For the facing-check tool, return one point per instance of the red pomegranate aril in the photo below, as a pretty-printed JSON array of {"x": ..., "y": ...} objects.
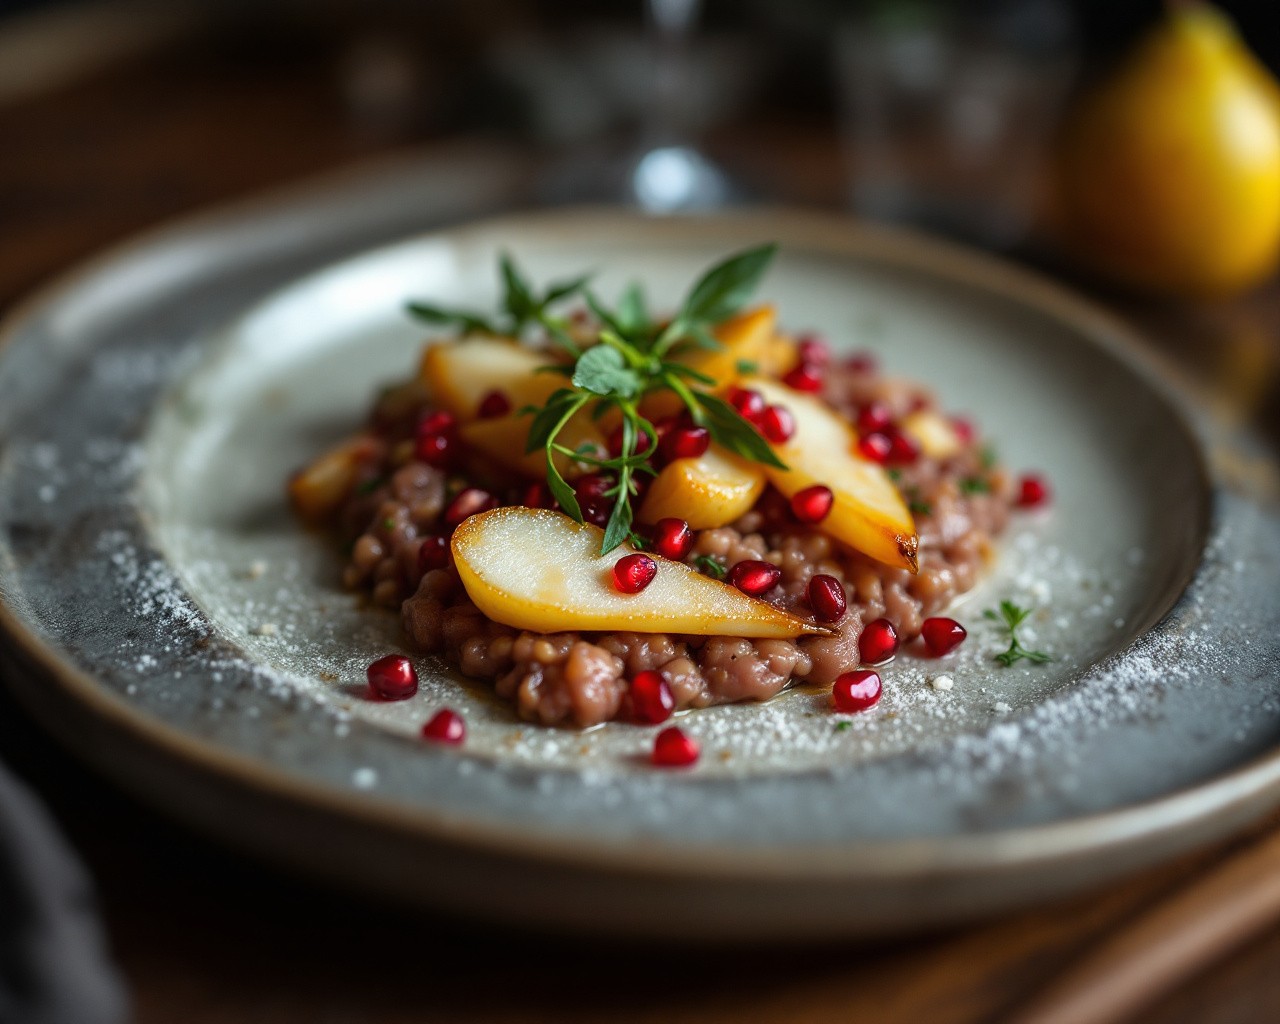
[
  {"x": 672, "y": 538},
  {"x": 673, "y": 749},
  {"x": 438, "y": 421},
  {"x": 812, "y": 504},
  {"x": 632, "y": 573},
  {"x": 595, "y": 511},
  {"x": 392, "y": 678},
  {"x": 805, "y": 377},
  {"x": 537, "y": 495},
  {"x": 777, "y": 424},
  {"x": 878, "y": 642},
  {"x": 434, "y": 554},
  {"x": 963, "y": 428},
  {"x": 813, "y": 350},
  {"x": 469, "y": 502},
  {"x": 1032, "y": 491},
  {"x": 942, "y": 635},
  {"x": 861, "y": 362},
  {"x": 493, "y": 404},
  {"x": 754, "y": 577},
  {"x": 686, "y": 443},
  {"x": 652, "y": 701},
  {"x": 749, "y": 403},
  {"x": 874, "y": 417},
  {"x": 592, "y": 485},
  {"x": 445, "y": 726},
  {"x": 827, "y": 598},
  {"x": 856, "y": 691},
  {"x": 436, "y": 450},
  {"x": 903, "y": 449},
  {"x": 615, "y": 442},
  {"x": 875, "y": 447}
]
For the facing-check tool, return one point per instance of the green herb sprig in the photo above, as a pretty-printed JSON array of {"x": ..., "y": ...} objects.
[{"x": 1009, "y": 617}]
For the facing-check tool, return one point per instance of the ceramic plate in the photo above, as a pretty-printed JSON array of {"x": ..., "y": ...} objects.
[{"x": 172, "y": 622}]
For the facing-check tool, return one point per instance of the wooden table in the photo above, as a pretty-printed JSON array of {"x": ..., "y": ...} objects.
[{"x": 203, "y": 935}]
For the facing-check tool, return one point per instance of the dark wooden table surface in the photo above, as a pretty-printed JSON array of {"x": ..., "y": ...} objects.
[{"x": 204, "y": 935}]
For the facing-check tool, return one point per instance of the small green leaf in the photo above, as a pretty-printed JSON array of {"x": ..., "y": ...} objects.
[
  {"x": 561, "y": 491},
  {"x": 920, "y": 508},
  {"x": 436, "y": 316},
  {"x": 730, "y": 430},
  {"x": 746, "y": 366},
  {"x": 518, "y": 301},
  {"x": 724, "y": 288},
  {"x": 711, "y": 566},
  {"x": 563, "y": 289},
  {"x": 681, "y": 370},
  {"x": 603, "y": 371},
  {"x": 632, "y": 315},
  {"x": 619, "y": 526},
  {"x": 974, "y": 485},
  {"x": 843, "y": 726}
]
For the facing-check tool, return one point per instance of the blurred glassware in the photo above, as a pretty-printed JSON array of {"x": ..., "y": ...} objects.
[{"x": 949, "y": 110}]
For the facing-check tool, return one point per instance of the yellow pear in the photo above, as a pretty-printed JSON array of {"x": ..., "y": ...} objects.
[
  {"x": 1169, "y": 171},
  {"x": 539, "y": 570}
]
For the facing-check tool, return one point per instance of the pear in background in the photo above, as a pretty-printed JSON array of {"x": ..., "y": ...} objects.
[{"x": 1169, "y": 173}]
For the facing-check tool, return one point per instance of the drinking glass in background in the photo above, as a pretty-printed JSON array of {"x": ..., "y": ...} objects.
[{"x": 949, "y": 110}]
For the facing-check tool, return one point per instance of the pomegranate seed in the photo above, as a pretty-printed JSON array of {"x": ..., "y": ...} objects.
[
  {"x": 1032, "y": 491},
  {"x": 777, "y": 424},
  {"x": 651, "y": 698},
  {"x": 856, "y": 691},
  {"x": 436, "y": 450},
  {"x": 445, "y": 726},
  {"x": 964, "y": 429},
  {"x": 942, "y": 635},
  {"x": 592, "y": 485},
  {"x": 875, "y": 447},
  {"x": 493, "y": 405},
  {"x": 861, "y": 362},
  {"x": 469, "y": 502},
  {"x": 536, "y": 495},
  {"x": 805, "y": 377},
  {"x": 393, "y": 678},
  {"x": 595, "y": 511},
  {"x": 813, "y": 350},
  {"x": 748, "y": 402},
  {"x": 826, "y": 598},
  {"x": 615, "y": 442},
  {"x": 434, "y": 554},
  {"x": 436, "y": 422},
  {"x": 754, "y": 577},
  {"x": 874, "y": 417},
  {"x": 673, "y": 749},
  {"x": 632, "y": 573},
  {"x": 902, "y": 448},
  {"x": 813, "y": 504},
  {"x": 878, "y": 642},
  {"x": 686, "y": 443},
  {"x": 672, "y": 538}
]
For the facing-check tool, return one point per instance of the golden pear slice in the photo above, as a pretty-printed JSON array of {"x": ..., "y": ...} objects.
[
  {"x": 933, "y": 432},
  {"x": 503, "y": 440},
  {"x": 318, "y": 489},
  {"x": 539, "y": 570},
  {"x": 714, "y": 489},
  {"x": 458, "y": 374},
  {"x": 868, "y": 514}
]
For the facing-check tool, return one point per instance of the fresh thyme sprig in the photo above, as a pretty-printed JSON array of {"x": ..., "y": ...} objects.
[
  {"x": 1009, "y": 618},
  {"x": 632, "y": 357}
]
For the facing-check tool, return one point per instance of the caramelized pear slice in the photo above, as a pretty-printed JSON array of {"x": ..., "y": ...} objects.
[
  {"x": 933, "y": 432},
  {"x": 868, "y": 513},
  {"x": 458, "y": 374},
  {"x": 709, "y": 491},
  {"x": 318, "y": 489},
  {"x": 539, "y": 570},
  {"x": 503, "y": 440}
]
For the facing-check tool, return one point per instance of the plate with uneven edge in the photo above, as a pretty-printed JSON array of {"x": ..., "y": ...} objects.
[{"x": 165, "y": 616}]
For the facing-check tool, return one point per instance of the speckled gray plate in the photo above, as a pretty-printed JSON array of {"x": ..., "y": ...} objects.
[{"x": 171, "y": 621}]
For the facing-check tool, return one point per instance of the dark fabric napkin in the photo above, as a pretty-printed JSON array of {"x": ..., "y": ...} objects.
[{"x": 54, "y": 967}]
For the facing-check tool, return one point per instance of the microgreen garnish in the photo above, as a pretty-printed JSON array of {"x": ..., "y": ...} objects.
[
  {"x": 893, "y": 474},
  {"x": 974, "y": 485},
  {"x": 920, "y": 508},
  {"x": 711, "y": 566},
  {"x": 521, "y": 304},
  {"x": 630, "y": 357},
  {"x": 843, "y": 726},
  {"x": 1009, "y": 618}
]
